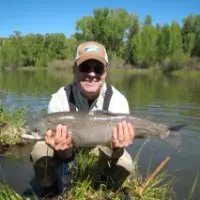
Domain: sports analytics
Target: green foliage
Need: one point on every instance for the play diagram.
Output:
(81, 188)
(192, 189)
(160, 188)
(12, 117)
(131, 50)
(35, 49)
(163, 43)
(148, 21)
(188, 34)
(107, 26)
(122, 34)
(8, 193)
(10, 124)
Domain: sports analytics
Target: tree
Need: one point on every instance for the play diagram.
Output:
(196, 49)
(163, 43)
(17, 43)
(188, 34)
(107, 26)
(131, 53)
(148, 21)
(176, 45)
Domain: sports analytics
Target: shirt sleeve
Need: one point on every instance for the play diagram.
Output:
(58, 102)
(119, 103)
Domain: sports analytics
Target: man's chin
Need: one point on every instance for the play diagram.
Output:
(91, 87)
(90, 93)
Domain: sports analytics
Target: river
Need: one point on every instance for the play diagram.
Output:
(168, 99)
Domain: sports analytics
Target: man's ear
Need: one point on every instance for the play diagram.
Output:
(74, 67)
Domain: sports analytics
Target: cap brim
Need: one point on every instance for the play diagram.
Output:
(89, 57)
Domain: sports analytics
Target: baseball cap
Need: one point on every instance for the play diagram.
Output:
(91, 50)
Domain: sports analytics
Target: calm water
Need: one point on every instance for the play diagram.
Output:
(170, 100)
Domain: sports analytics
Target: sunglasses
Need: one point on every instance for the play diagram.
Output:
(97, 69)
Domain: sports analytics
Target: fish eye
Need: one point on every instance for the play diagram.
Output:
(35, 130)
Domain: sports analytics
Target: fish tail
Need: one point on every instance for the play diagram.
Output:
(177, 127)
(176, 140)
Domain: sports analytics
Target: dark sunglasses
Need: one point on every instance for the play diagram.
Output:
(97, 69)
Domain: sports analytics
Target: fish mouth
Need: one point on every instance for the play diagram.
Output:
(31, 135)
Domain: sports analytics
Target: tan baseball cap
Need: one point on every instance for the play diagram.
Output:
(91, 50)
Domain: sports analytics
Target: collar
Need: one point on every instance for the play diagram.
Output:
(82, 102)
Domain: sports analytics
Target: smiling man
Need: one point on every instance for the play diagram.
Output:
(87, 93)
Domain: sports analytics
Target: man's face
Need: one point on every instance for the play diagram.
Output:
(90, 76)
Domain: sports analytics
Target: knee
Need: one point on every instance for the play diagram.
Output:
(40, 150)
(126, 162)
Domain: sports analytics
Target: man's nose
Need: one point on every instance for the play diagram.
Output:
(92, 73)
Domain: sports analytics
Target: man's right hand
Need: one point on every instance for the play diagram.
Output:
(60, 140)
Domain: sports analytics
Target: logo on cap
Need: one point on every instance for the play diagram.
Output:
(91, 48)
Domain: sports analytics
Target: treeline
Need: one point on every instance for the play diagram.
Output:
(128, 41)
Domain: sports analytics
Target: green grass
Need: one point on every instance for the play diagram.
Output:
(8, 193)
(131, 71)
(82, 184)
(161, 188)
(184, 73)
(193, 188)
(11, 122)
(10, 125)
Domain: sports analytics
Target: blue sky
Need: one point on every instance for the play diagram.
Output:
(53, 16)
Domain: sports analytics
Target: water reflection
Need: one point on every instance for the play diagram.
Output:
(170, 100)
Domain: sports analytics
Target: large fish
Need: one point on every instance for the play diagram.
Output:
(96, 128)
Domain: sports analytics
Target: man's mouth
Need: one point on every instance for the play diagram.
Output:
(91, 79)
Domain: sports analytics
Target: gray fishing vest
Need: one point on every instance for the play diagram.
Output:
(72, 103)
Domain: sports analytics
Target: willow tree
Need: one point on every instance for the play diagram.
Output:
(107, 26)
(163, 43)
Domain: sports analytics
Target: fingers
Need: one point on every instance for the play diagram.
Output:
(131, 131)
(120, 132)
(115, 141)
(123, 135)
(66, 143)
(48, 138)
(61, 140)
(59, 131)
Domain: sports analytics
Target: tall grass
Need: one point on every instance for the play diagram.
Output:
(193, 188)
(82, 188)
(10, 123)
(7, 193)
(82, 184)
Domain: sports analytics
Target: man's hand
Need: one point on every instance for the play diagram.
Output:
(60, 140)
(123, 135)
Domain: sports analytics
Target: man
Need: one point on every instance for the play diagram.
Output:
(88, 92)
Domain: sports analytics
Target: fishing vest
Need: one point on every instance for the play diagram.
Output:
(72, 103)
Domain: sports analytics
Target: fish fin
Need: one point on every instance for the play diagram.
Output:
(174, 140)
(177, 127)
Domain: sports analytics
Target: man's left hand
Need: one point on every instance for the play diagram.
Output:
(123, 135)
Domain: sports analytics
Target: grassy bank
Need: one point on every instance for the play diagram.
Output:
(184, 73)
(8, 193)
(83, 181)
(85, 184)
(10, 126)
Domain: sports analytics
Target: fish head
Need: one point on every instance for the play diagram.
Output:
(34, 130)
